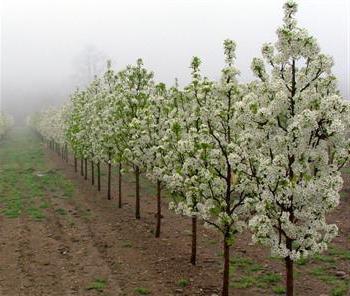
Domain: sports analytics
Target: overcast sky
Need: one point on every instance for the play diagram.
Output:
(41, 40)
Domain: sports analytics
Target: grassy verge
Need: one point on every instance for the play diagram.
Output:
(25, 178)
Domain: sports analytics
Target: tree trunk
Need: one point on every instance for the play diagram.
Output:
(120, 185)
(194, 240)
(225, 281)
(86, 168)
(82, 167)
(109, 176)
(75, 164)
(159, 208)
(289, 279)
(137, 177)
(98, 176)
(67, 154)
(92, 173)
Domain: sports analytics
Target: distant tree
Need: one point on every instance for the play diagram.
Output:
(90, 62)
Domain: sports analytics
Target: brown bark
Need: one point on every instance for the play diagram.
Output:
(159, 208)
(225, 280)
(86, 168)
(75, 164)
(120, 185)
(67, 154)
(289, 271)
(82, 167)
(137, 177)
(98, 176)
(109, 176)
(92, 173)
(194, 240)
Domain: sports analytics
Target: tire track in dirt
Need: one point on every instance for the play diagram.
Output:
(82, 259)
(10, 277)
(39, 273)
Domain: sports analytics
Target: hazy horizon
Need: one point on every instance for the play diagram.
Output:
(43, 43)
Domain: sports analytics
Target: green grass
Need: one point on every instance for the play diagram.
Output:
(344, 194)
(280, 290)
(126, 244)
(25, 179)
(346, 170)
(142, 291)
(339, 287)
(252, 275)
(183, 283)
(61, 211)
(98, 285)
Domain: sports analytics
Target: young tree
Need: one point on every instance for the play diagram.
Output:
(179, 143)
(136, 86)
(206, 171)
(149, 129)
(293, 145)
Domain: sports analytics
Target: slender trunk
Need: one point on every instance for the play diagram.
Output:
(159, 208)
(289, 279)
(86, 168)
(98, 176)
(289, 271)
(109, 176)
(67, 154)
(137, 177)
(92, 173)
(194, 240)
(225, 281)
(120, 185)
(82, 167)
(75, 164)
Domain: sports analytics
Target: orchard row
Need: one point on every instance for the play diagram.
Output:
(265, 155)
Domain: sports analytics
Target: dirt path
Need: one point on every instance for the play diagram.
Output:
(59, 236)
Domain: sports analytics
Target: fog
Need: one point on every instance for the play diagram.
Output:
(45, 43)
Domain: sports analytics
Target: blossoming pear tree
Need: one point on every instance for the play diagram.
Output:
(292, 145)
(207, 172)
(108, 124)
(179, 144)
(136, 87)
(147, 142)
(76, 122)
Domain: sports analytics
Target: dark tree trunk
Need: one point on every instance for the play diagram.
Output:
(137, 177)
(82, 167)
(98, 176)
(67, 154)
(86, 168)
(225, 281)
(194, 240)
(159, 208)
(109, 176)
(75, 164)
(289, 271)
(289, 279)
(120, 185)
(92, 173)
